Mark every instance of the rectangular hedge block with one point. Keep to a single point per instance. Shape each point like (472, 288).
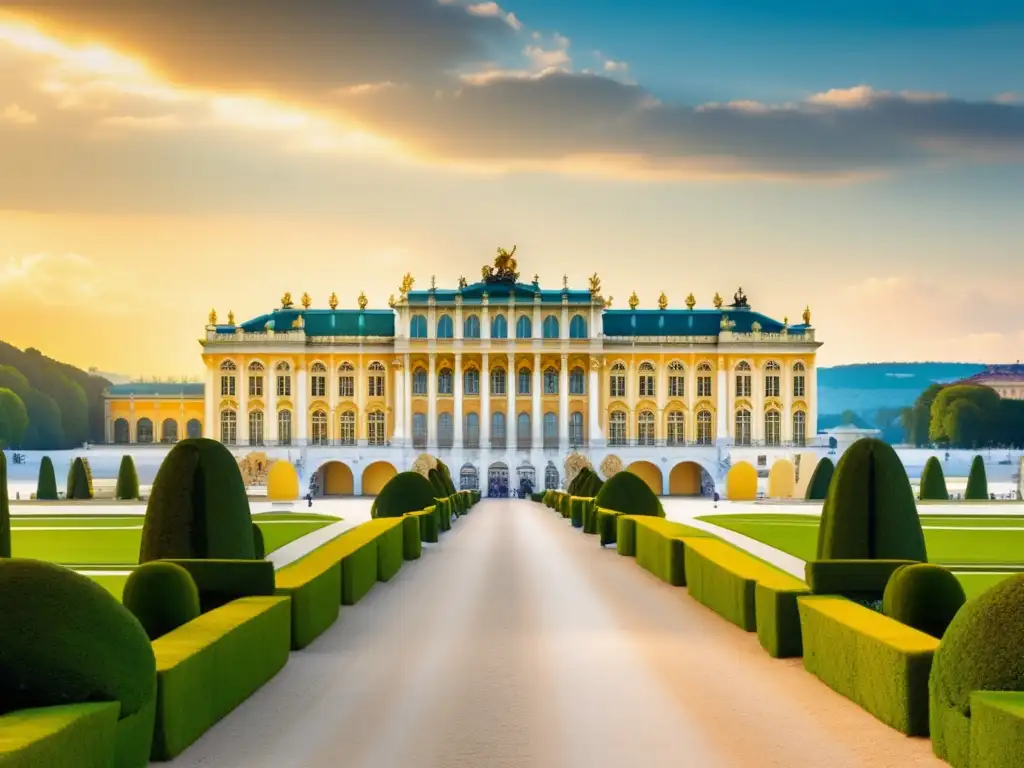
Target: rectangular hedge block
(997, 729)
(590, 517)
(576, 514)
(79, 735)
(950, 732)
(209, 666)
(222, 581)
(873, 660)
(429, 524)
(778, 616)
(314, 586)
(607, 525)
(390, 546)
(659, 548)
(412, 544)
(625, 535)
(851, 577)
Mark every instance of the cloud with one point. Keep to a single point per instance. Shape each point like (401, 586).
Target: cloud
(494, 10)
(615, 66)
(66, 280)
(12, 113)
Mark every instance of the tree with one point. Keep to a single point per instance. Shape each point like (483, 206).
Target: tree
(984, 397)
(964, 424)
(44, 423)
(13, 419)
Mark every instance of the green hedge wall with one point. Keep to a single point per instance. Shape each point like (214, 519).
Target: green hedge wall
(607, 525)
(405, 492)
(660, 548)
(576, 511)
(221, 581)
(924, 596)
(314, 586)
(412, 544)
(390, 547)
(997, 729)
(79, 735)
(858, 578)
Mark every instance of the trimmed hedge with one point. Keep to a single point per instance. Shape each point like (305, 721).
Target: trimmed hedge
(211, 665)
(221, 581)
(412, 544)
(259, 547)
(593, 486)
(127, 480)
(778, 615)
(80, 735)
(933, 481)
(46, 487)
(428, 523)
(5, 510)
(629, 494)
(198, 507)
(873, 660)
(440, 490)
(314, 586)
(607, 525)
(576, 513)
(859, 578)
(977, 481)
(162, 596)
(997, 729)
(923, 596)
(581, 482)
(390, 546)
(821, 477)
(590, 516)
(79, 480)
(660, 547)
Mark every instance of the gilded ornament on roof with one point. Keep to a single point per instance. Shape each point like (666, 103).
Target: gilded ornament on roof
(807, 315)
(663, 301)
(362, 300)
(595, 284)
(231, 317)
(462, 282)
(333, 301)
(608, 302)
(718, 300)
(213, 317)
(691, 301)
(391, 301)
(407, 282)
(306, 301)
(634, 301)
(504, 269)
(286, 300)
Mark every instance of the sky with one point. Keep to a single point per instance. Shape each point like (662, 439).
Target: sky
(160, 159)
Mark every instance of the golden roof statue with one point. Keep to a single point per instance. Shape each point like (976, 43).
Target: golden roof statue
(807, 315)
(691, 301)
(391, 301)
(407, 282)
(333, 301)
(634, 301)
(462, 282)
(231, 317)
(362, 300)
(717, 301)
(306, 301)
(286, 300)
(663, 301)
(608, 302)
(213, 317)
(504, 269)
(595, 284)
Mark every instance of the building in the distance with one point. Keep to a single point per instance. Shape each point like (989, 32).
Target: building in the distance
(502, 379)
(1006, 380)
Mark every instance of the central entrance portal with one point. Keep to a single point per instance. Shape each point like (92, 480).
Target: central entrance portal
(497, 480)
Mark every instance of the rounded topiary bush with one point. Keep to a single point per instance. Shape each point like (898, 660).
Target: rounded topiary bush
(977, 481)
(162, 596)
(5, 511)
(127, 480)
(628, 493)
(403, 493)
(258, 545)
(817, 486)
(446, 477)
(582, 482)
(46, 487)
(67, 640)
(198, 507)
(593, 486)
(923, 596)
(933, 481)
(440, 491)
(870, 512)
(982, 647)
(79, 480)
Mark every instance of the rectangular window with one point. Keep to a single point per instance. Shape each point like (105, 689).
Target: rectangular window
(703, 386)
(346, 386)
(742, 385)
(227, 386)
(771, 386)
(318, 386)
(646, 386)
(284, 386)
(375, 386)
(255, 386)
(798, 386)
(618, 386)
(676, 386)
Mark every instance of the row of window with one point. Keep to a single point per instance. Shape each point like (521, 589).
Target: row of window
(550, 327)
(675, 433)
(145, 431)
(375, 380)
(375, 428)
(445, 437)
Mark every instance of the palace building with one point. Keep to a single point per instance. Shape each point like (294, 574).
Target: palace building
(501, 378)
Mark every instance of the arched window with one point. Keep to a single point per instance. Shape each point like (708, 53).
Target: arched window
(284, 379)
(471, 438)
(193, 429)
(550, 430)
(576, 429)
(646, 380)
(228, 427)
(617, 381)
(227, 380)
(122, 432)
(524, 328)
(550, 477)
(284, 427)
(256, 428)
(524, 381)
(419, 430)
(498, 436)
(676, 428)
(743, 388)
(704, 427)
(645, 428)
(444, 381)
(346, 380)
(772, 379)
(550, 327)
(445, 430)
(577, 327)
(676, 379)
(419, 382)
(617, 428)
(471, 382)
(169, 431)
(550, 381)
(577, 381)
(418, 327)
(498, 381)
(144, 431)
(347, 428)
(800, 428)
(375, 380)
(318, 380)
(319, 432)
(256, 373)
(471, 327)
(499, 327)
(799, 382)
(523, 437)
(704, 380)
(375, 428)
(469, 478)
(772, 428)
(444, 327)
(743, 430)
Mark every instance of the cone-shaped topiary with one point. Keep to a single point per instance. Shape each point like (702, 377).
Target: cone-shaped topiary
(5, 512)
(446, 477)
(127, 479)
(933, 482)
(581, 482)
(46, 487)
(817, 486)
(440, 491)
(198, 507)
(923, 596)
(592, 487)
(67, 640)
(977, 481)
(79, 480)
(627, 493)
(162, 596)
(870, 512)
(405, 492)
(258, 545)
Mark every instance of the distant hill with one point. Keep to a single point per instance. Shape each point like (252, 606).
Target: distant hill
(867, 387)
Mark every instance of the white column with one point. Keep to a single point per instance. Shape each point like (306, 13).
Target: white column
(457, 416)
(537, 436)
(270, 417)
(108, 424)
(302, 403)
(133, 432)
(563, 404)
(485, 401)
(595, 433)
(631, 399)
(485, 320)
(811, 388)
(397, 396)
(511, 420)
(407, 398)
(721, 401)
(243, 403)
(210, 393)
(661, 397)
(432, 402)
(563, 328)
(786, 382)
(361, 387)
(538, 319)
(333, 418)
(757, 418)
(457, 322)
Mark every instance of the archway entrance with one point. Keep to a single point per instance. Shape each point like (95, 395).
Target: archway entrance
(688, 478)
(527, 479)
(375, 476)
(497, 480)
(469, 478)
(335, 479)
(649, 473)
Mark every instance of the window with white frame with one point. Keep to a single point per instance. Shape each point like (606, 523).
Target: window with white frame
(577, 381)
(704, 433)
(318, 380)
(645, 428)
(375, 428)
(419, 382)
(799, 381)
(704, 380)
(646, 380)
(346, 380)
(256, 373)
(375, 380)
(524, 381)
(471, 382)
(498, 381)
(319, 424)
(772, 377)
(617, 381)
(676, 434)
(676, 379)
(347, 428)
(743, 379)
(550, 381)
(227, 379)
(444, 381)
(617, 428)
(228, 427)
(772, 427)
(256, 428)
(576, 429)
(800, 428)
(550, 430)
(284, 427)
(284, 379)
(743, 427)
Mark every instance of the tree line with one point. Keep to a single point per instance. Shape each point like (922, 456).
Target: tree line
(46, 404)
(964, 416)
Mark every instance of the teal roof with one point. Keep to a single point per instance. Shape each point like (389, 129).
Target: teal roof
(323, 322)
(686, 322)
(473, 294)
(143, 389)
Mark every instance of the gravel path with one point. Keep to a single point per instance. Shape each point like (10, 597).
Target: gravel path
(517, 641)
